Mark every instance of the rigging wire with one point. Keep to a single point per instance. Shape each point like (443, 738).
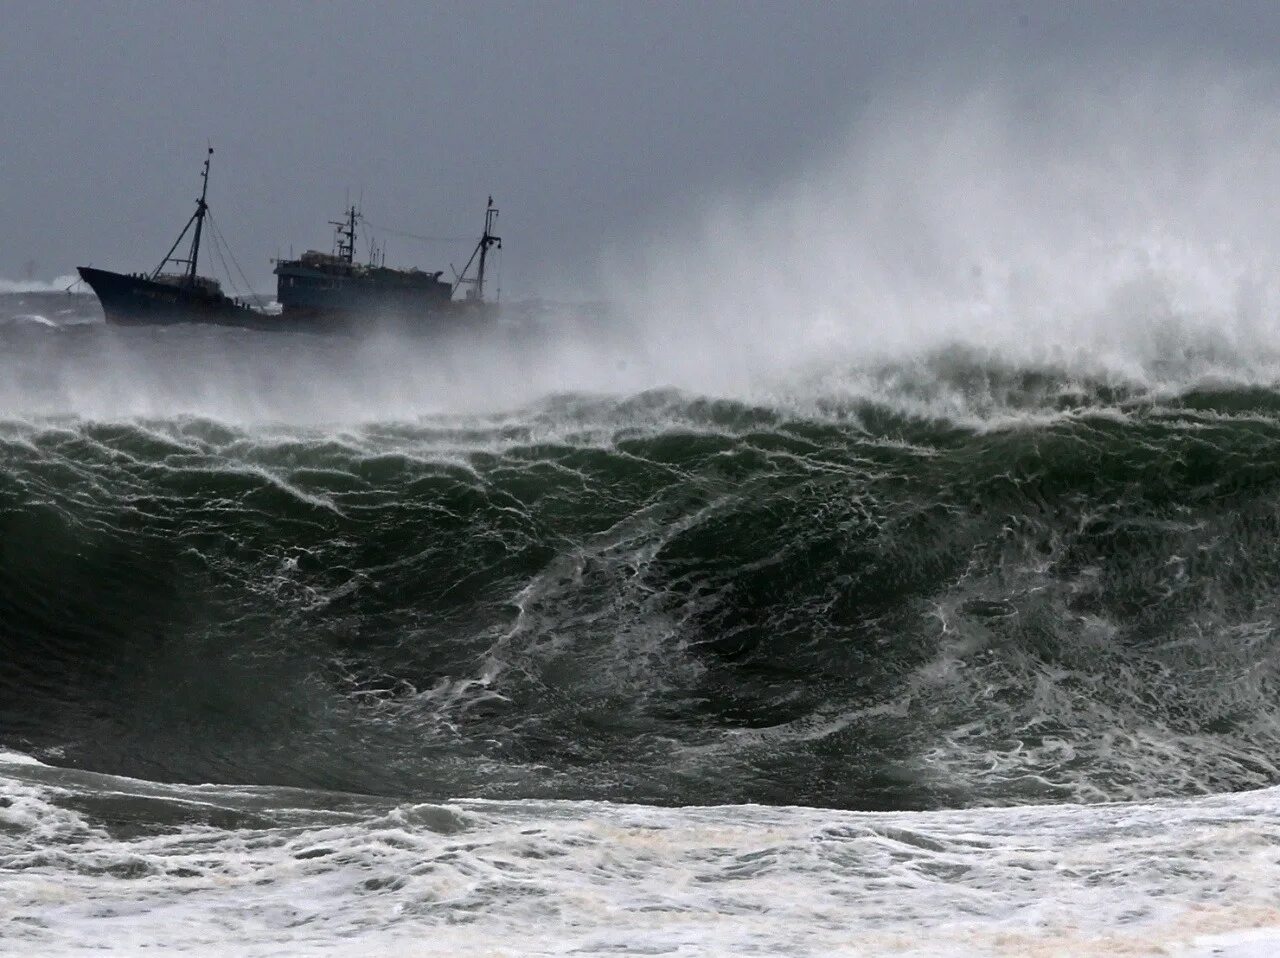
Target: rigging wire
(217, 249)
(413, 236)
(218, 233)
(227, 246)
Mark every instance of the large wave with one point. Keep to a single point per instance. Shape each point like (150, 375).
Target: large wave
(663, 598)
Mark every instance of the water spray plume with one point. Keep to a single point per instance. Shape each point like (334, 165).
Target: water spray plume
(1106, 221)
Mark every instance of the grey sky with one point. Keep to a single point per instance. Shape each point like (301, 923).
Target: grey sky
(587, 121)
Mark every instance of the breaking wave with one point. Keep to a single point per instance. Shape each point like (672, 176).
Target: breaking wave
(1062, 594)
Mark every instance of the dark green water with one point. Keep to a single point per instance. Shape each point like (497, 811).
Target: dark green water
(661, 597)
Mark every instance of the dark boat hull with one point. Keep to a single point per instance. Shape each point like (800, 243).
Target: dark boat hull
(436, 318)
(135, 300)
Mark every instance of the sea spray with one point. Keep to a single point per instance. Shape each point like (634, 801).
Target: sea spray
(1106, 216)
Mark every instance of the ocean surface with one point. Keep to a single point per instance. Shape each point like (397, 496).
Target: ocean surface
(534, 645)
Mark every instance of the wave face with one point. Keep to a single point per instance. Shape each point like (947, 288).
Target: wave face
(854, 602)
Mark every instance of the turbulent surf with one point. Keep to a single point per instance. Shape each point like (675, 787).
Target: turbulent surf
(352, 678)
(661, 598)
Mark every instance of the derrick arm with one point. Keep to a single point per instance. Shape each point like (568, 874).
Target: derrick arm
(168, 257)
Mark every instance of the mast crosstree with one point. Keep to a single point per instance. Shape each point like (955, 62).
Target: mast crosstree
(345, 235)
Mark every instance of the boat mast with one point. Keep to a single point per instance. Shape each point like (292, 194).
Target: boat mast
(201, 208)
(346, 230)
(481, 250)
(198, 219)
(487, 240)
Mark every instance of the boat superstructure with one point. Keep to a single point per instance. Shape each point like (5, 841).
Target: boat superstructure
(334, 289)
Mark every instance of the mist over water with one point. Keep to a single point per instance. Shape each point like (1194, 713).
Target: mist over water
(1118, 226)
(1114, 223)
(58, 285)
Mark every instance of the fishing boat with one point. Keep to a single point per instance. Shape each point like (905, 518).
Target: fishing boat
(180, 295)
(318, 292)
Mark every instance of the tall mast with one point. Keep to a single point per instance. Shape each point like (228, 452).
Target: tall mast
(197, 218)
(201, 208)
(487, 240)
(476, 293)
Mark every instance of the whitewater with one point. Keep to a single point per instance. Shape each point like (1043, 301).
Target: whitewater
(915, 597)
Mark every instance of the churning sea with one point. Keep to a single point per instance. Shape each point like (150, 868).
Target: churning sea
(319, 646)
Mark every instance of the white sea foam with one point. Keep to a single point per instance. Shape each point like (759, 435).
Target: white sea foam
(551, 878)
